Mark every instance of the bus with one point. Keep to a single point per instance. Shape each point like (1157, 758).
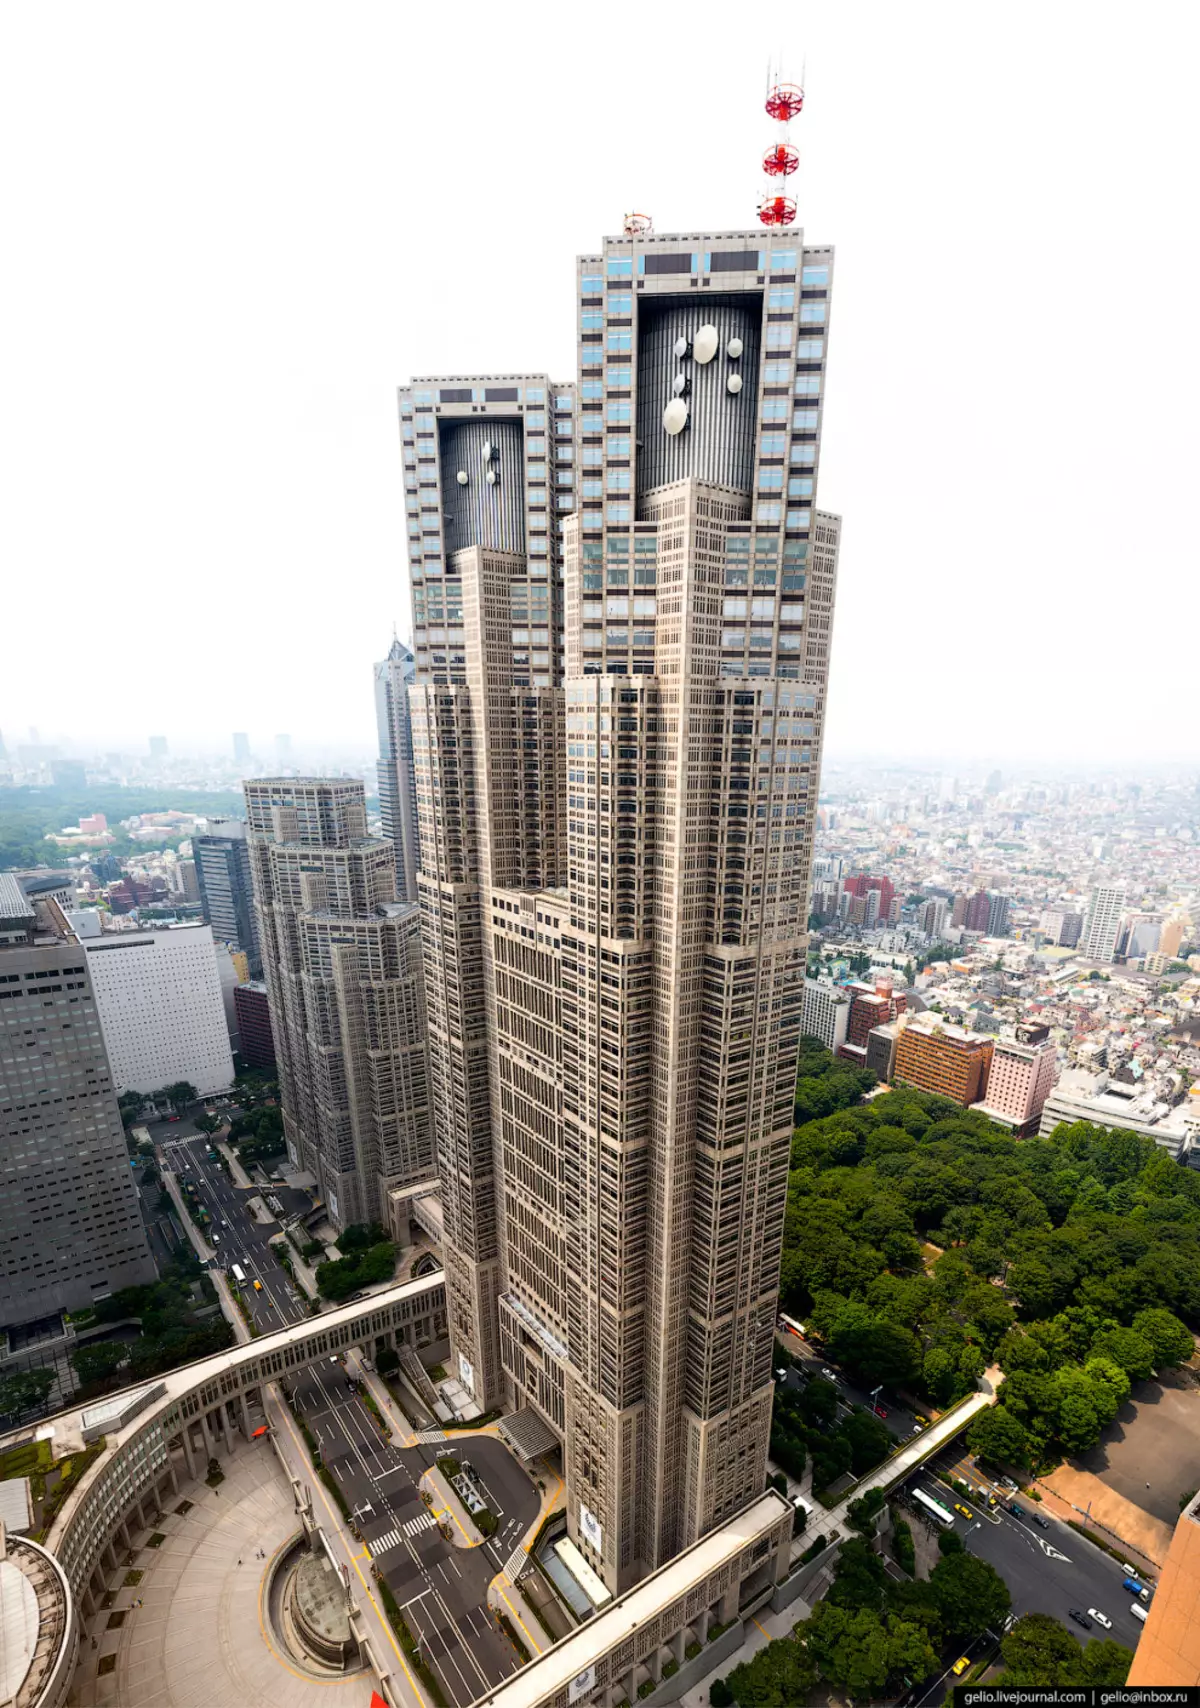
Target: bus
(789, 1325)
(939, 1513)
(239, 1274)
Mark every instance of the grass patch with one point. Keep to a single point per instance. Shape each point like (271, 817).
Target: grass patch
(448, 1467)
(155, 1541)
(132, 1579)
(71, 1472)
(368, 1399)
(409, 1645)
(184, 1507)
(24, 1460)
(485, 1521)
(438, 1373)
(116, 1620)
(327, 1477)
(817, 1546)
(105, 1665)
(506, 1625)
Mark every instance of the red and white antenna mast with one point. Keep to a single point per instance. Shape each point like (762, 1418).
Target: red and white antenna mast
(784, 103)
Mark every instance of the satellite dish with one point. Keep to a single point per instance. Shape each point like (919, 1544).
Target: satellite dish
(734, 383)
(681, 346)
(491, 477)
(486, 453)
(461, 477)
(675, 416)
(734, 348)
(704, 344)
(679, 385)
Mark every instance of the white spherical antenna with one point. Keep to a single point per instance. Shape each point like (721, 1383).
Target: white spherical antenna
(675, 416)
(679, 385)
(486, 452)
(704, 344)
(461, 477)
(734, 383)
(491, 477)
(734, 348)
(681, 346)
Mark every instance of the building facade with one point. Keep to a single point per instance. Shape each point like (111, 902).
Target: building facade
(944, 1059)
(256, 1041)
(1022, 1075)
(342, 959)
(70, 1227)
(159, 996)
(623, 598)
(222, 859)
(1105, 908)
(397, 782)
(826, 1013)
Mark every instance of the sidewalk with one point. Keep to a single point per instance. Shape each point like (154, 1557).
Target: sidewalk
(204, 1251)
(401, 1429)
(240, 1177)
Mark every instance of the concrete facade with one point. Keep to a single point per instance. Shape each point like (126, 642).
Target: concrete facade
(397, 780)
(222, 860)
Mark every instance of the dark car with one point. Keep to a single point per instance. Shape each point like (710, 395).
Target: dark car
(1081, 1618)
(1017, 1511)
(1038, 1519)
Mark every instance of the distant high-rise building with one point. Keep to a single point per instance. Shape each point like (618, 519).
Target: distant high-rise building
(158, 747)
(944, 1059)
(283, 747)
(342, 960)
(863, 883)
(222, 857)
(189, 886)
(998, 911)
(68, 773)
(159, 997)
(931, 916)
(70, 1228)
(871, 1005)
(257, 1044)
(397, 779)
(1062, 926)
(973, 912)
(1105, 908)
(1022, 1074)
(826, 1012)
(992, 786)
(241, 747)
(617, 733)
(1171, 938)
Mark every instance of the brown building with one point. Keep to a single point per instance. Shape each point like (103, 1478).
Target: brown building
(944, 1059)
(252, 1008)
(1169, 1650)
(870, 1006)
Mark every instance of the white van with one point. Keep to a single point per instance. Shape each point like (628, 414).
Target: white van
(1138, 1611)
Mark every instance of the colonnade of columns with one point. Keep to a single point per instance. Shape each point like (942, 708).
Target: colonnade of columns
(722, 1612)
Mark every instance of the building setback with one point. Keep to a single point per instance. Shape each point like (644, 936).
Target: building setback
(70, 1226)
(160, 1002)
(343, 973)
(617, 727)
(944, 1059)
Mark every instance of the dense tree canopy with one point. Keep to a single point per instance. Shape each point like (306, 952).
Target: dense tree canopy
(1038, 1651)
(924, 1243)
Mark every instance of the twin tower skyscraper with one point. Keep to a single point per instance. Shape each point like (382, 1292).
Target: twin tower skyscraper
(622, 601)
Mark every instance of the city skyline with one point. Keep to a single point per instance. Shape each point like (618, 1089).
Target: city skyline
(301, 475)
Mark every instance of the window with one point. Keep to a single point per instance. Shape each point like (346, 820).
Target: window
(620, 269)
(591, 389)
(803, 454)
(620, 303)
(812, 314)
(773, 444)
(537, 471)
(618, 480)
(534, 394)
(770, 480)
(618, 637)
(761, 609)
(565, 501)
(798, 518)
(592, 489)
(779, 337)
(777, 373)
(767, 512)
(592, 456)
(798, 488)
(591, 284)
(733, 608)
(808, 385)
(783, 261)
(618, 445)
(618, 607)
(775, 409)
(620, 513)
(564, 477)
(781, 296)
(643, 608)
(733, 638)
(618, 378)
(618, 414)
(804, 420)
(591, 356)
(565, 401)
(619, 341)
(815, 276)
(591, 320)
(536, 418)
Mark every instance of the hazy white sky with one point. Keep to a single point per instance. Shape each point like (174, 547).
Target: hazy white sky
(231, 229)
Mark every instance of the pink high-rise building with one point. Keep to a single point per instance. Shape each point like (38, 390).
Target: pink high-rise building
(1022, 1076)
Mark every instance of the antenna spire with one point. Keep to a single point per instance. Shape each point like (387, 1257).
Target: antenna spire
(784, 102)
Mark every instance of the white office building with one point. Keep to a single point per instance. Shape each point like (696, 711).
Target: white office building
(159, 996)
(826, 1013)
(1104, 922)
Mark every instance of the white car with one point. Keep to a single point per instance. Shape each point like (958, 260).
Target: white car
(1100, 1618)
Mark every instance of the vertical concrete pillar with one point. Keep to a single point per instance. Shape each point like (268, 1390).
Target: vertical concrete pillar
(729, 1604)
(189, 1451)
(209, 1448)
(172, 1477)
(245, 1413)
(223, 1414)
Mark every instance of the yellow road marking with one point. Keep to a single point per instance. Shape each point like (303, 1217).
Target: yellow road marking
(500, 1591)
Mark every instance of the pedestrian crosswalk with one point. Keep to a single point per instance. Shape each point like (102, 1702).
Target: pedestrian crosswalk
(392, 1538)
(429, 1436)
(516, 1563)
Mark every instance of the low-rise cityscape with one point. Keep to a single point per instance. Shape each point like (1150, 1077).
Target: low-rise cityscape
(597, 1197)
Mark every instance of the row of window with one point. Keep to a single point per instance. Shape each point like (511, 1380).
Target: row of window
(620, 267)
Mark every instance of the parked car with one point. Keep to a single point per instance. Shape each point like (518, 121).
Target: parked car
(1081, 1618)
(1017, 1511)
(1100, 1618)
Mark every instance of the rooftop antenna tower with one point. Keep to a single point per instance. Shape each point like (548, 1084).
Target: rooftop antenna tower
(784, 102)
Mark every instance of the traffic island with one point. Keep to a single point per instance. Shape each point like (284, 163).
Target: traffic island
(447, 1506)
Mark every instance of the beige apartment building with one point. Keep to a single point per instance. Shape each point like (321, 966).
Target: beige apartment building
(622, 598)
(342, 964)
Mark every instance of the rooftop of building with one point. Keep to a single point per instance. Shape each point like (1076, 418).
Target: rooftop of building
(14, 903)
(1168, 1652)
(925, 1026)
(34, 1620)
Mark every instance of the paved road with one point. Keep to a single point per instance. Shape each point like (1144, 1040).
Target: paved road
(899, 1420)
(441, 1589)
(1047, 1570)
(239, 1238)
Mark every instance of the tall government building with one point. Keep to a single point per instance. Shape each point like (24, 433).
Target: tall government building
(342, 963)
(622, 599)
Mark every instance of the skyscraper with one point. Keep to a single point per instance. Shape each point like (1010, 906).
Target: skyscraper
(241, 747)
(617, 726)
(397, 781)
(342, 960)
(222, 857)
(1103, 922)
(70, 1228)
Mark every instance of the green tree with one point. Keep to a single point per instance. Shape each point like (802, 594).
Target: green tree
(1039, 1652)
(778, 1676)
(1171, 1340)
(23, 1390)
(98, 1359)
(868, 1439)
(1126, 1347)
(862, 1514)
(207, 1123)
(861, 1651)
(998, 1436)
(971, 1596)
(179, 1094)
